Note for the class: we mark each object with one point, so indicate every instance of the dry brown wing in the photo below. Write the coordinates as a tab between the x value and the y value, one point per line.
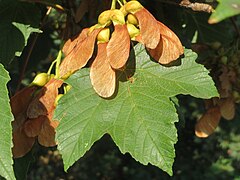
47	135
149	28
79	56
103	77
32	127
227	108
118	47
43	103
169	47
19	104
22	144
73	43
207	124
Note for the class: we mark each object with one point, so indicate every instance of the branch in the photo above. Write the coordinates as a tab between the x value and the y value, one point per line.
197	6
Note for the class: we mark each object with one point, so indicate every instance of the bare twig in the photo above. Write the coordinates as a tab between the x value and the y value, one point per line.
235	26
26	60
197	6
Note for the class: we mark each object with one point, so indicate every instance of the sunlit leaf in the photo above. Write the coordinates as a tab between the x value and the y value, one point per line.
225	9
141	117
6	162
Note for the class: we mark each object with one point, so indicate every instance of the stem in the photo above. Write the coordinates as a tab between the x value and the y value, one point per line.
113	6
26	62
124	1
119	2
22	72
51	66
58	61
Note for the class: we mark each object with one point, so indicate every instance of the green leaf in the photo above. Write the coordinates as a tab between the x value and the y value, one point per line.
140	119
18	21
225	9
6	162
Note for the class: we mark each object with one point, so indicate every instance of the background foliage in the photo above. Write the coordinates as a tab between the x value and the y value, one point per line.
216	157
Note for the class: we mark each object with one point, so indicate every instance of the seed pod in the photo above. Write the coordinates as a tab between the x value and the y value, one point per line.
41	79
132	30
132	19
117	17
133	6
105	18
103	35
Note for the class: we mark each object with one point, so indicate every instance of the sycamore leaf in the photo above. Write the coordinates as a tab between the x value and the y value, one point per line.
141	117
6	162
225	9
18	21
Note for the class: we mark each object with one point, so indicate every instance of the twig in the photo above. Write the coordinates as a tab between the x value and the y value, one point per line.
235	26
197	6
30	52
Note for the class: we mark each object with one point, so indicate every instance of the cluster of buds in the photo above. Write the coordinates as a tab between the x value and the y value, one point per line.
131	22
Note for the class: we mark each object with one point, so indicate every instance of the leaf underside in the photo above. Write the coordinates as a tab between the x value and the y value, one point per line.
6	162
140	118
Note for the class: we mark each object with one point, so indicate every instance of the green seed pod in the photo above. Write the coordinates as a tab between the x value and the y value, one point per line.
103	35
105	18
117	17
132	30
131	19
133	6
41	79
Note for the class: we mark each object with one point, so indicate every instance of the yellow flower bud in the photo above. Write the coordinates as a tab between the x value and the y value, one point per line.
41	79
103	35
132	19
132	30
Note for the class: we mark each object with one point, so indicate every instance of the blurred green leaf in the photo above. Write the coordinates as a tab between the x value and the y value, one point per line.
141	117
18	21
225	9
6	162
